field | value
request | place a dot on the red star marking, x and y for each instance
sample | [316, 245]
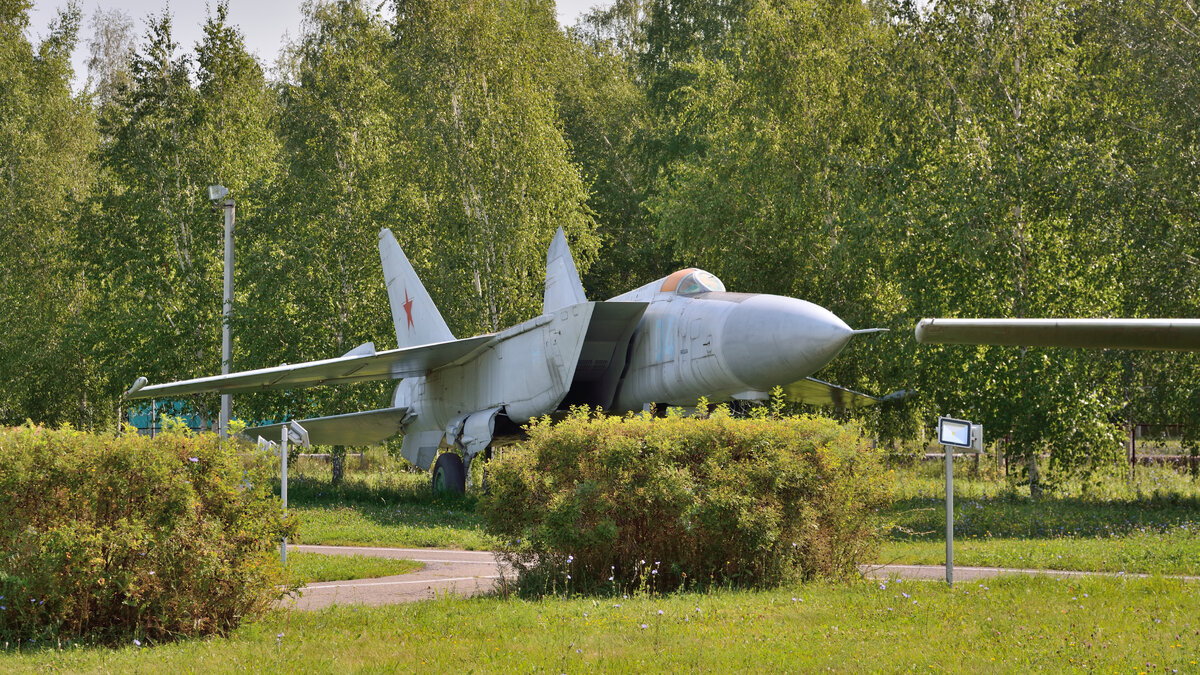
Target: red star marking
[408, 308]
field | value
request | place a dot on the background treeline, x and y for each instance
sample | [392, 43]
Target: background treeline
[887, 159]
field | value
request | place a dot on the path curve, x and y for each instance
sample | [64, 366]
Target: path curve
[446, 572]
[469, 573]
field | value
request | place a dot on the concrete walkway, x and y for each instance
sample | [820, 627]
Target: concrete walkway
[470, 573]
[446, 572]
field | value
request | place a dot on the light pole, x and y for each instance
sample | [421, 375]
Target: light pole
[217, 193]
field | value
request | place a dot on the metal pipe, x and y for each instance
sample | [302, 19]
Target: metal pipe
[226, 338]
[949, 514]
[283, 457]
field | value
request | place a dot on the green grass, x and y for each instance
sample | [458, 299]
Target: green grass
[401, 512]
[1000, 626]
[307, 568]
[1149, 525]
[380, 503]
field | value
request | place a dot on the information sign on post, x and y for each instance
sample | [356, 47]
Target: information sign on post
[955, 434]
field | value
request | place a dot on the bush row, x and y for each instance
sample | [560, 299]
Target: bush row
[116, 538]
[671, 502]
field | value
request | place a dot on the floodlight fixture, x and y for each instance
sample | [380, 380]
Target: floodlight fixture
[297, 433]
[954, 432]
[217, 192]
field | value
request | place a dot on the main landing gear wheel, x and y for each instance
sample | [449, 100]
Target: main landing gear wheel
[448, 474]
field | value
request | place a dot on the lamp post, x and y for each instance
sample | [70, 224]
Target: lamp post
[219, 193]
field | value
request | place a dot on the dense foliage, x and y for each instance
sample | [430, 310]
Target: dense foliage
[114, 538]
[621, 503]
[886, 159]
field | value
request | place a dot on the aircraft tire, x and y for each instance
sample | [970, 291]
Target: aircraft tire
[448, 474]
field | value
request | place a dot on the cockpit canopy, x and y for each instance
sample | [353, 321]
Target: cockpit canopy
[691, 281]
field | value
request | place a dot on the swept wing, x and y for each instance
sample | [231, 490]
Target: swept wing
[388, 365]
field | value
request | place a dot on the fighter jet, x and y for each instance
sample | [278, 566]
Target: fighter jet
[669, 342]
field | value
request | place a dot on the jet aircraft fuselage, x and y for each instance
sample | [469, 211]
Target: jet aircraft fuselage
[668, 342]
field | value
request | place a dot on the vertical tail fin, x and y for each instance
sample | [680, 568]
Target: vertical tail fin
[416, 319]
[562, 279]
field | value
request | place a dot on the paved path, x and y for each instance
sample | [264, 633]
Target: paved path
[473, 572]
[446, 572]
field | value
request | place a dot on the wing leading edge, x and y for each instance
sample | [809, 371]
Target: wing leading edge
[393, 364]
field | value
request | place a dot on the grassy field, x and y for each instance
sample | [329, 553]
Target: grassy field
[1150, 524]
[1004, 625]
[307, 568]
[385, 509]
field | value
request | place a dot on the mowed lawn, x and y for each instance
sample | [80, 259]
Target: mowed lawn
[1150, 524]
[307, 568]
[388, 508]
[1006, 625]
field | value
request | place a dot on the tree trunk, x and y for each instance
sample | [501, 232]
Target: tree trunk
[1035, 480]
[338, 463]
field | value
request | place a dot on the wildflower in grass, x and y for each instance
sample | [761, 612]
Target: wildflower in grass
[137, 643]
[194, 460]
[568, 576]
[645, 626]
[906, 595]
[616, 606]
[883, 586]
[610, 578]
[660, 612]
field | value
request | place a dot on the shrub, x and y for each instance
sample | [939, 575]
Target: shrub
[114, 538]
[665, 503]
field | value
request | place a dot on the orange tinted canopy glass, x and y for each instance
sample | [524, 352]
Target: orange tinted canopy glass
[691, 280]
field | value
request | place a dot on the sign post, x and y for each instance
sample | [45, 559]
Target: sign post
[297, 434]
[960, 434]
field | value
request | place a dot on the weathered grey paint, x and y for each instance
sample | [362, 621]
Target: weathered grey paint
[670, 342]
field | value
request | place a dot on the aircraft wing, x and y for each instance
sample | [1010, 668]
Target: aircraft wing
[818, 392]
[369, 427]
[393, 364]
[1168, 334]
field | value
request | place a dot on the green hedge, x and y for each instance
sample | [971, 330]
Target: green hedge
[116, 538]
[671, 502]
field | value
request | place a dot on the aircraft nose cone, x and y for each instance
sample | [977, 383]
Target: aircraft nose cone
[771, 340]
